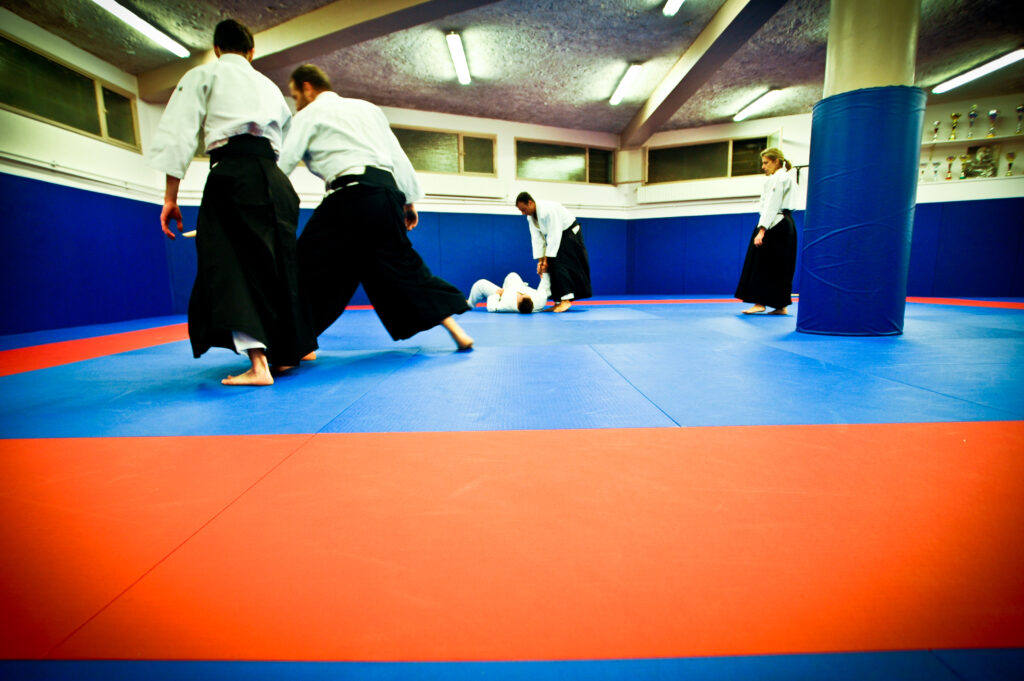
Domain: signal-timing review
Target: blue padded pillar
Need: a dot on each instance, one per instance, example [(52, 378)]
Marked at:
[(865, 147)]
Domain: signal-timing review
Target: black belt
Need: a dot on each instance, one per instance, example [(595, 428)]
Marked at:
[(372, 177), (243, 145)]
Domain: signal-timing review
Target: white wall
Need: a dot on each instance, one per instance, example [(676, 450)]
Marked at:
[(49, 152), (43, 151)]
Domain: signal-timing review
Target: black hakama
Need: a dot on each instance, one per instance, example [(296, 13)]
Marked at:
[(570, 270), (247, 278), (358, 235), (767, 277)]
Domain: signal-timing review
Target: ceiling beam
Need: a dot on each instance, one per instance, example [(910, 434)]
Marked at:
[(729, 30), (303, 38)]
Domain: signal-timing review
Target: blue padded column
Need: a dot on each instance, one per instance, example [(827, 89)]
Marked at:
[(865, 147)]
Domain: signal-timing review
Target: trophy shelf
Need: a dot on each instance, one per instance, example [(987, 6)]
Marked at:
[(971, 142)]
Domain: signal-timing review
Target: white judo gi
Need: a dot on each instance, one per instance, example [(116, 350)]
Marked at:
[(507, 300)]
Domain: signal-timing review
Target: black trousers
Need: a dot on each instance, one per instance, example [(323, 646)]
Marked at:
[(247, 279), (570, 270), (767, 277), (357, 235)]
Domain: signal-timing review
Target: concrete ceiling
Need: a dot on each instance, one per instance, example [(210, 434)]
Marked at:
[(549, 62)]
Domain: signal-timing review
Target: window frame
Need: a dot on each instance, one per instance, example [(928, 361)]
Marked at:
[(461, 152), (98, 85), (586, 161), (719, 140)]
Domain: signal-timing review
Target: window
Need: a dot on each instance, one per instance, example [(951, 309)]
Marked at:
[(746, 156), (33, 84), (438, 151), (563, 163), (731, 158)]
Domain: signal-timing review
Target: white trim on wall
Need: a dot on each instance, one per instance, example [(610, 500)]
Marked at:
[(36, 149)]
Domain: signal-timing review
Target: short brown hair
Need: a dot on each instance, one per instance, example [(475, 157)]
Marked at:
[(308, 73), (525, 305)]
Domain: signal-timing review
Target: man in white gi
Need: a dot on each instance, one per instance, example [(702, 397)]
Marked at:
[(246, 295), (558, 249), (514, 295), (358, 234)]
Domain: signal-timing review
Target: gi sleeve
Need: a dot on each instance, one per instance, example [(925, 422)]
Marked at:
[(296, 144), (536, 238), (177, 135), (774, 190), (554, 233)]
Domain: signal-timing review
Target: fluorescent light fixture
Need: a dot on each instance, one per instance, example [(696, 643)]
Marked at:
[(671, 7), (763, 100), (982, 70), (142, 27), (627, 79), (458, 57)]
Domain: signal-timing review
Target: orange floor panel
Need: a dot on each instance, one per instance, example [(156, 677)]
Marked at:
[(83, 520), (516, 545)]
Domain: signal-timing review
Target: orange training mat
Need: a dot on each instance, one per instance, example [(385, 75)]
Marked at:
[(515, 545), (65, 352)]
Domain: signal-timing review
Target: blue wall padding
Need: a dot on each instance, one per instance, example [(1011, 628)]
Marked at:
[(58, 273), (865, 148), (976, 252), (73, 257)]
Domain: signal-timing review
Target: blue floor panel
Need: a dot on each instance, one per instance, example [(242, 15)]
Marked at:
[(163, 391), (501, 388), (972, 665), (734, 384), (598, 366)]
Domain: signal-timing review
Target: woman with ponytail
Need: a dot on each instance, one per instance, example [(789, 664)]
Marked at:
[(767, 278)]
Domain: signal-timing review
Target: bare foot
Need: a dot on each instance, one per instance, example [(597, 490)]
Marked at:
[(780, 310), (754, 310), (249, 378), (259, 374), (310, 357), (461, 338), (562, 306)]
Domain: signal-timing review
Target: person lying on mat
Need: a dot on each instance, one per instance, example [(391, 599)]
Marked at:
[(515, 295)]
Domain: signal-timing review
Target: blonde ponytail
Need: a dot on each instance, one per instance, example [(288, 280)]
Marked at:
[(775, 154)]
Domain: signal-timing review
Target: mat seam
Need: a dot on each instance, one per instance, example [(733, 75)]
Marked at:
[(630, 383), (174, 550)]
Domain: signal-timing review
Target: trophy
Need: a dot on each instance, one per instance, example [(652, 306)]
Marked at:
[(949, 168), (992, 115), (964, 158), (1010, 155), (924, 171), (955, 117), (1020, 117), (936, 124), (972, 115), (935, 170)]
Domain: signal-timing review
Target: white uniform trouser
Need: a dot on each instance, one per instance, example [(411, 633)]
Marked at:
[(481, 290), (245, 342)]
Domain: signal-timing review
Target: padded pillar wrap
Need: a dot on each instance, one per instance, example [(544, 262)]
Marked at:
[(865, 147)]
